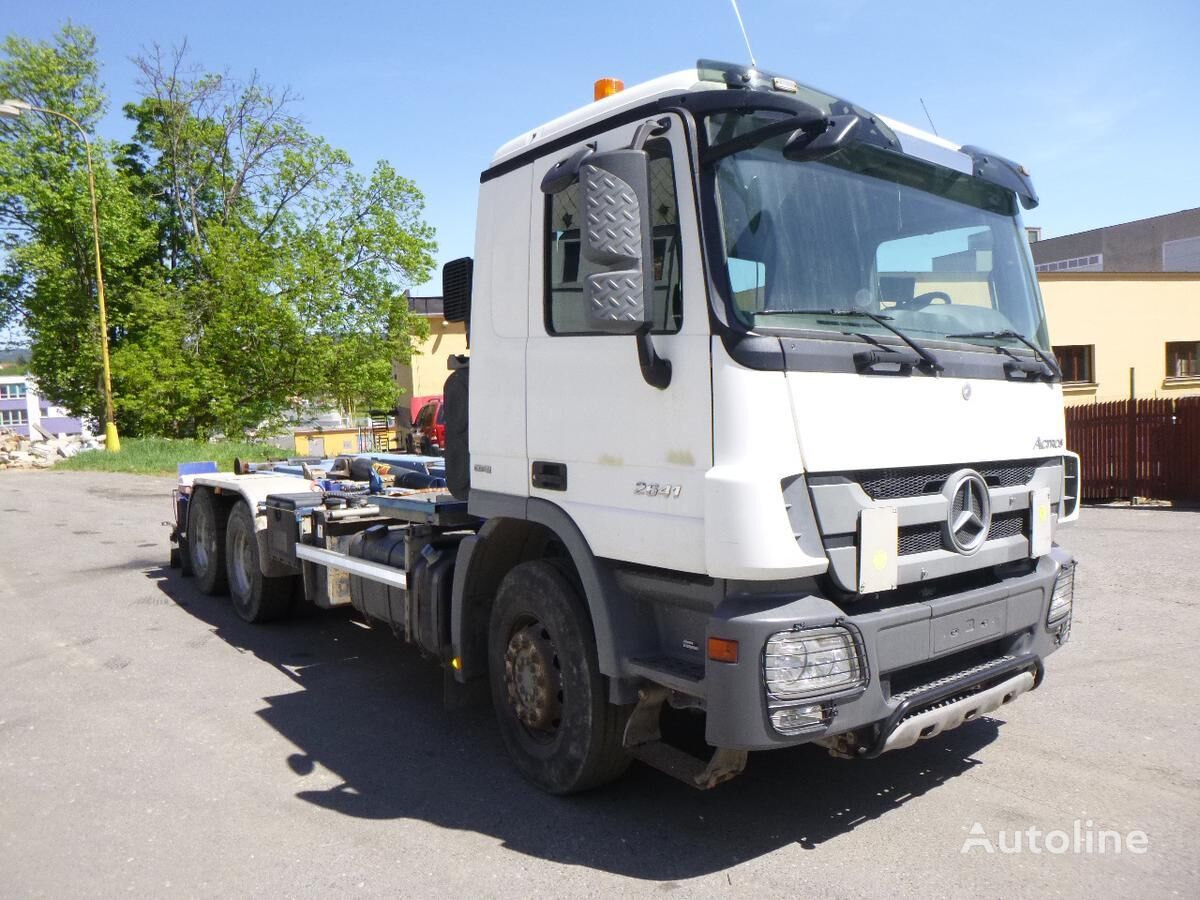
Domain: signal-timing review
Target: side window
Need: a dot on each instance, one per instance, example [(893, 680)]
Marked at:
[(566, 268)]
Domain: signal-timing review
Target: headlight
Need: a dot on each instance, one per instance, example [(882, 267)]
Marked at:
[(1064, 595), (818, 661)]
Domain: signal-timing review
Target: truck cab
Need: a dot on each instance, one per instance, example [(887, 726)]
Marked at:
[(820, 420)]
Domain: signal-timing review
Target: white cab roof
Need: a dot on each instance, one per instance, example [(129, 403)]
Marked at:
[(675, 83), (913, 141)]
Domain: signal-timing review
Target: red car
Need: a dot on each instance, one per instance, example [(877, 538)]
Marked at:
[(429, 428)]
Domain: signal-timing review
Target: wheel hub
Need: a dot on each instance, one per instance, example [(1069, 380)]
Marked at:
[(201, 539), (533, 679)]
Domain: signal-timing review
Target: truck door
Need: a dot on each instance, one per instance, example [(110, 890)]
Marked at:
[(624, 459)]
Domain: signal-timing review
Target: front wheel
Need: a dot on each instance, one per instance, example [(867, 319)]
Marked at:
[(256, 598), (555, 719)]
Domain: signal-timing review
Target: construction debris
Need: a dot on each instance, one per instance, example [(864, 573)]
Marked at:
[(42, 450)]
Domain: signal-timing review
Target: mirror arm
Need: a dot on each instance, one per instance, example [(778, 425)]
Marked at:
[(810, 120), (647, 130), (564, 173), (655, 369)]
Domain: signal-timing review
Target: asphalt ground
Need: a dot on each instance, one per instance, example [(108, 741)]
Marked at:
[(153, 744)]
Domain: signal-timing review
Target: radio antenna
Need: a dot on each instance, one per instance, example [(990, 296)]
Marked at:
[(927, 115), (742, 25)]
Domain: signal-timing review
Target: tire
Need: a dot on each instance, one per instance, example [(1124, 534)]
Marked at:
[(185, 560), (256, 598), (206, 542), (550, 698)]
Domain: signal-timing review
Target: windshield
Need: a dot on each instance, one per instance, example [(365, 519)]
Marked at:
[(938, 253)]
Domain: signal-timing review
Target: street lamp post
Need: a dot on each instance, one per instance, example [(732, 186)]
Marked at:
[(13, 109)]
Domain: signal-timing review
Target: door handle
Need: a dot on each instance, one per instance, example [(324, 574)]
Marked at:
[(549, 476)]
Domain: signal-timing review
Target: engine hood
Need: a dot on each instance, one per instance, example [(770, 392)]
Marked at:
[(846, 421)]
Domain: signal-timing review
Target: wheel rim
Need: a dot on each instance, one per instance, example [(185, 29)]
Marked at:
[(240, 562), (533, 680), (200, 546)]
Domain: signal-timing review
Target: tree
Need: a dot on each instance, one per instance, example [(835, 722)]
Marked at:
[(48, 283), (250, 266)]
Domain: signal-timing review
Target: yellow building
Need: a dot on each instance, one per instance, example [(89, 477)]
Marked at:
[(426, 374), (1102, 324)]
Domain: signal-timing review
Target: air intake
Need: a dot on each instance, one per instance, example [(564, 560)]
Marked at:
[(456, 289)]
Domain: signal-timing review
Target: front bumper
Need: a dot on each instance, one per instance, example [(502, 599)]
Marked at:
[(914, 654), (927, 714)]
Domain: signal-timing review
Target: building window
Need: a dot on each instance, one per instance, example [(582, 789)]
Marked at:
[(1093, 263), (13, 391), (1183, 359), (1076, 362), (566, 268), (13, 417)]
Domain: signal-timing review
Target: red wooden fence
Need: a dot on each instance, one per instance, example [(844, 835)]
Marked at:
[(1147, 448)]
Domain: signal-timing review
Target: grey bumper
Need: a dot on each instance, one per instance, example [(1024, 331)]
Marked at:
[(1005, 621)]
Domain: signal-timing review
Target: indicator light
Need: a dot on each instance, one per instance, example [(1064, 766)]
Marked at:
[(722, 650), (606, 87)]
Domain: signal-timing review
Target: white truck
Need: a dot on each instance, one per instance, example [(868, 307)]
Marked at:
[(760, 426)]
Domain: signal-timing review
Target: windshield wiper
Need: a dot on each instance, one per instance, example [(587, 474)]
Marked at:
[(930, 361), (1055, 371)]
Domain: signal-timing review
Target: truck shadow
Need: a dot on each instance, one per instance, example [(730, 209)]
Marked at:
[(369, 710)]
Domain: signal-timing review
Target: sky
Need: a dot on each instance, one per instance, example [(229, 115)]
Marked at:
[(1098, 99)]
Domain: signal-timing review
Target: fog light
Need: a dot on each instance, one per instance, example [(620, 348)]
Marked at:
[(794, 719), (1063, 598), (800, 664)]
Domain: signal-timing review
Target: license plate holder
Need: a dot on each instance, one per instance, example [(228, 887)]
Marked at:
[(968, 626)]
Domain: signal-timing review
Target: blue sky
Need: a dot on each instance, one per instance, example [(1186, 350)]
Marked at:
[(1098, 99)]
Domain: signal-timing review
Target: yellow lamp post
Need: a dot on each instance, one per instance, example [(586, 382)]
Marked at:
[(14, 109)]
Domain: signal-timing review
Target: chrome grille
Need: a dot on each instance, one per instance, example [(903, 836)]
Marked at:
[(891, 484), (928, 536)]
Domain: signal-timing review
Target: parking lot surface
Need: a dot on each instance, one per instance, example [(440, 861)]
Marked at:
[(151, 743)]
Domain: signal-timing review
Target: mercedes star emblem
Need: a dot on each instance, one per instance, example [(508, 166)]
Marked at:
[(969, 514)]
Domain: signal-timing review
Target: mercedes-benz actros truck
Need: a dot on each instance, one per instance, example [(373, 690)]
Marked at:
[(760, 427)]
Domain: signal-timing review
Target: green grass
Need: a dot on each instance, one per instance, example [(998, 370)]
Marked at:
[(160, 456)]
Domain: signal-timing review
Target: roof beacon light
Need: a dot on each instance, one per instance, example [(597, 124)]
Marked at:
[(606, 87)]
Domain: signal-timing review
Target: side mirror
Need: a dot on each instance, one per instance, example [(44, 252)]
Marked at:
[(614, 193), (456, 289)]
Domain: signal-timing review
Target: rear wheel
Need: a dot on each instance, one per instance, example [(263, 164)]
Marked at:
[(206, 542), (256, 598), (547, 689)]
